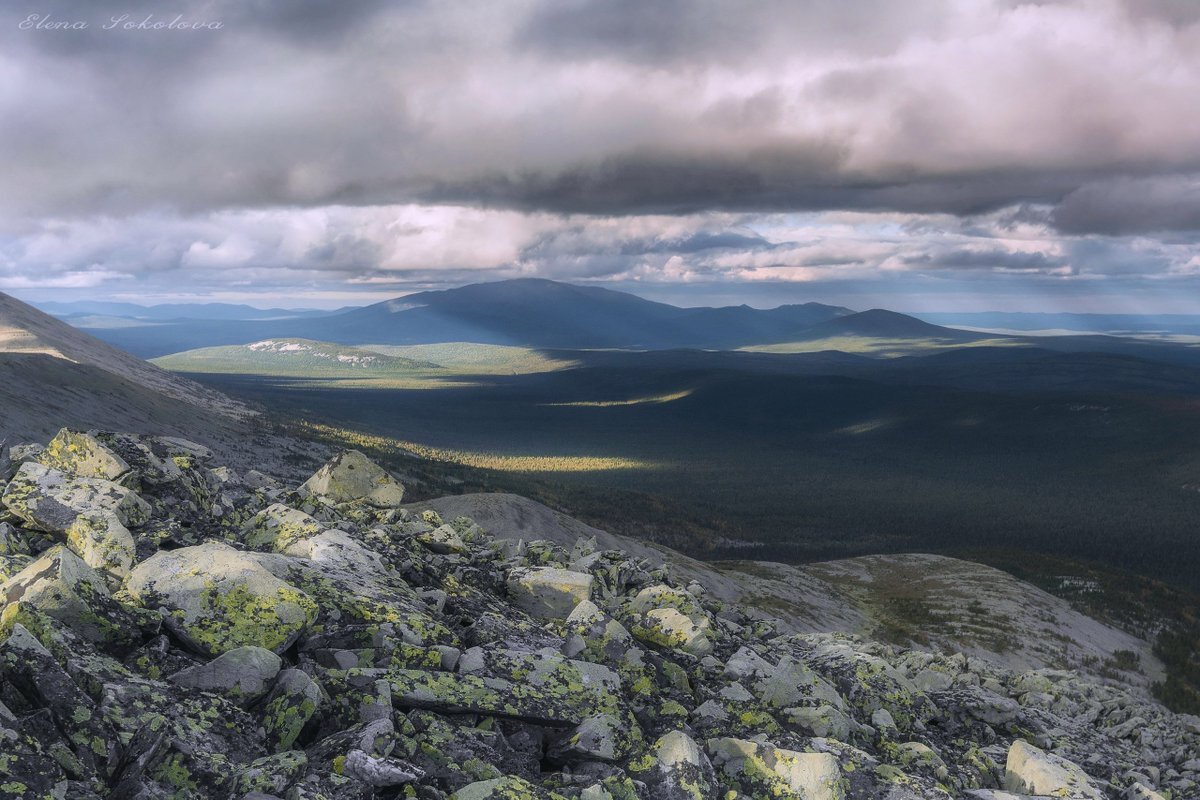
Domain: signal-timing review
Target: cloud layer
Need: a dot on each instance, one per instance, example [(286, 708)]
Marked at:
[(331, 147)]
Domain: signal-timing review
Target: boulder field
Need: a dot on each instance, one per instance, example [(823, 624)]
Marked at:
[(171, 629)]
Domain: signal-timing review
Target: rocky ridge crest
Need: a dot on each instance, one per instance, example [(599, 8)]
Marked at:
[(172, 629)]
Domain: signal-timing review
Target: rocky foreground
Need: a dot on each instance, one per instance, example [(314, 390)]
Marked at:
[(173, 629)]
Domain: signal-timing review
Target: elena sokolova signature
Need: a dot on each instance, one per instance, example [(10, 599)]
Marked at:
[(119, 22)]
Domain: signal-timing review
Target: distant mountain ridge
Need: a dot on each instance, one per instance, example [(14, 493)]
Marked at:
[(528, 312), (544, 313), (884, 324), (171, 311)]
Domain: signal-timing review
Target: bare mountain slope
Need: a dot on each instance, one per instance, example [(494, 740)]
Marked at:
[(54, 376), (934, 602), (25, 330)]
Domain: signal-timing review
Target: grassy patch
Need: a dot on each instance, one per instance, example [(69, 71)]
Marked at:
[(470, 358)]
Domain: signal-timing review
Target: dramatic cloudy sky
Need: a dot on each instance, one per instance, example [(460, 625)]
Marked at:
[(926, 154)]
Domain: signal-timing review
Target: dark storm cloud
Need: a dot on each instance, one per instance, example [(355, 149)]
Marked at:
[(613, 107), (695, 31), (988, 259), (1132, 205), (771, 179)]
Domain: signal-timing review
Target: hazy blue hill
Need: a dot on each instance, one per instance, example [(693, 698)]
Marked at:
[(543, 313), (170, 311), (883, 324), (526, 312)]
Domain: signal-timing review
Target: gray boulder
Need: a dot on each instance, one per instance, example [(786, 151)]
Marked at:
[(62, 586), (350, 476), (243, 673), (548, 592), (1031, 770), (680, 770), (218, 599), (50, 500)]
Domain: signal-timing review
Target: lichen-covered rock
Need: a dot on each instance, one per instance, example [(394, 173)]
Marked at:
[(218, 598), (49, 500), (243, 674), (338, 550), (788, 683), (1031, 770), (865, 679), (82, 455), (11, 542), (507, 788), (277, 527), (289, 707), (593, 635), (327, 775), (270, 775), (1139, 791), (557, 693), (677, 769), (378, 771), (11, 564), (350, 477), (30, 771), (103, 543), (173, 474), (763, 770), (443, 539), (666, 617), (670, 628), (823, 721), (29, 668), (548, 592), (603, 737), (62, 586)]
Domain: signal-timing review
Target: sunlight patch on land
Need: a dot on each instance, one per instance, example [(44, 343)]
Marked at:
[(639, 401), (493, 461), (325, 365), (883, 348), (469, 358), (865, 427)]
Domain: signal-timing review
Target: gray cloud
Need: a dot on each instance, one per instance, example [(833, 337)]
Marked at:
[(598, 107), (324, 144), (693, 32), (1132, 205), (989, 258)]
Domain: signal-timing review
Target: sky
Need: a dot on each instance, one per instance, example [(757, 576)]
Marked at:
[(925, 155)]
